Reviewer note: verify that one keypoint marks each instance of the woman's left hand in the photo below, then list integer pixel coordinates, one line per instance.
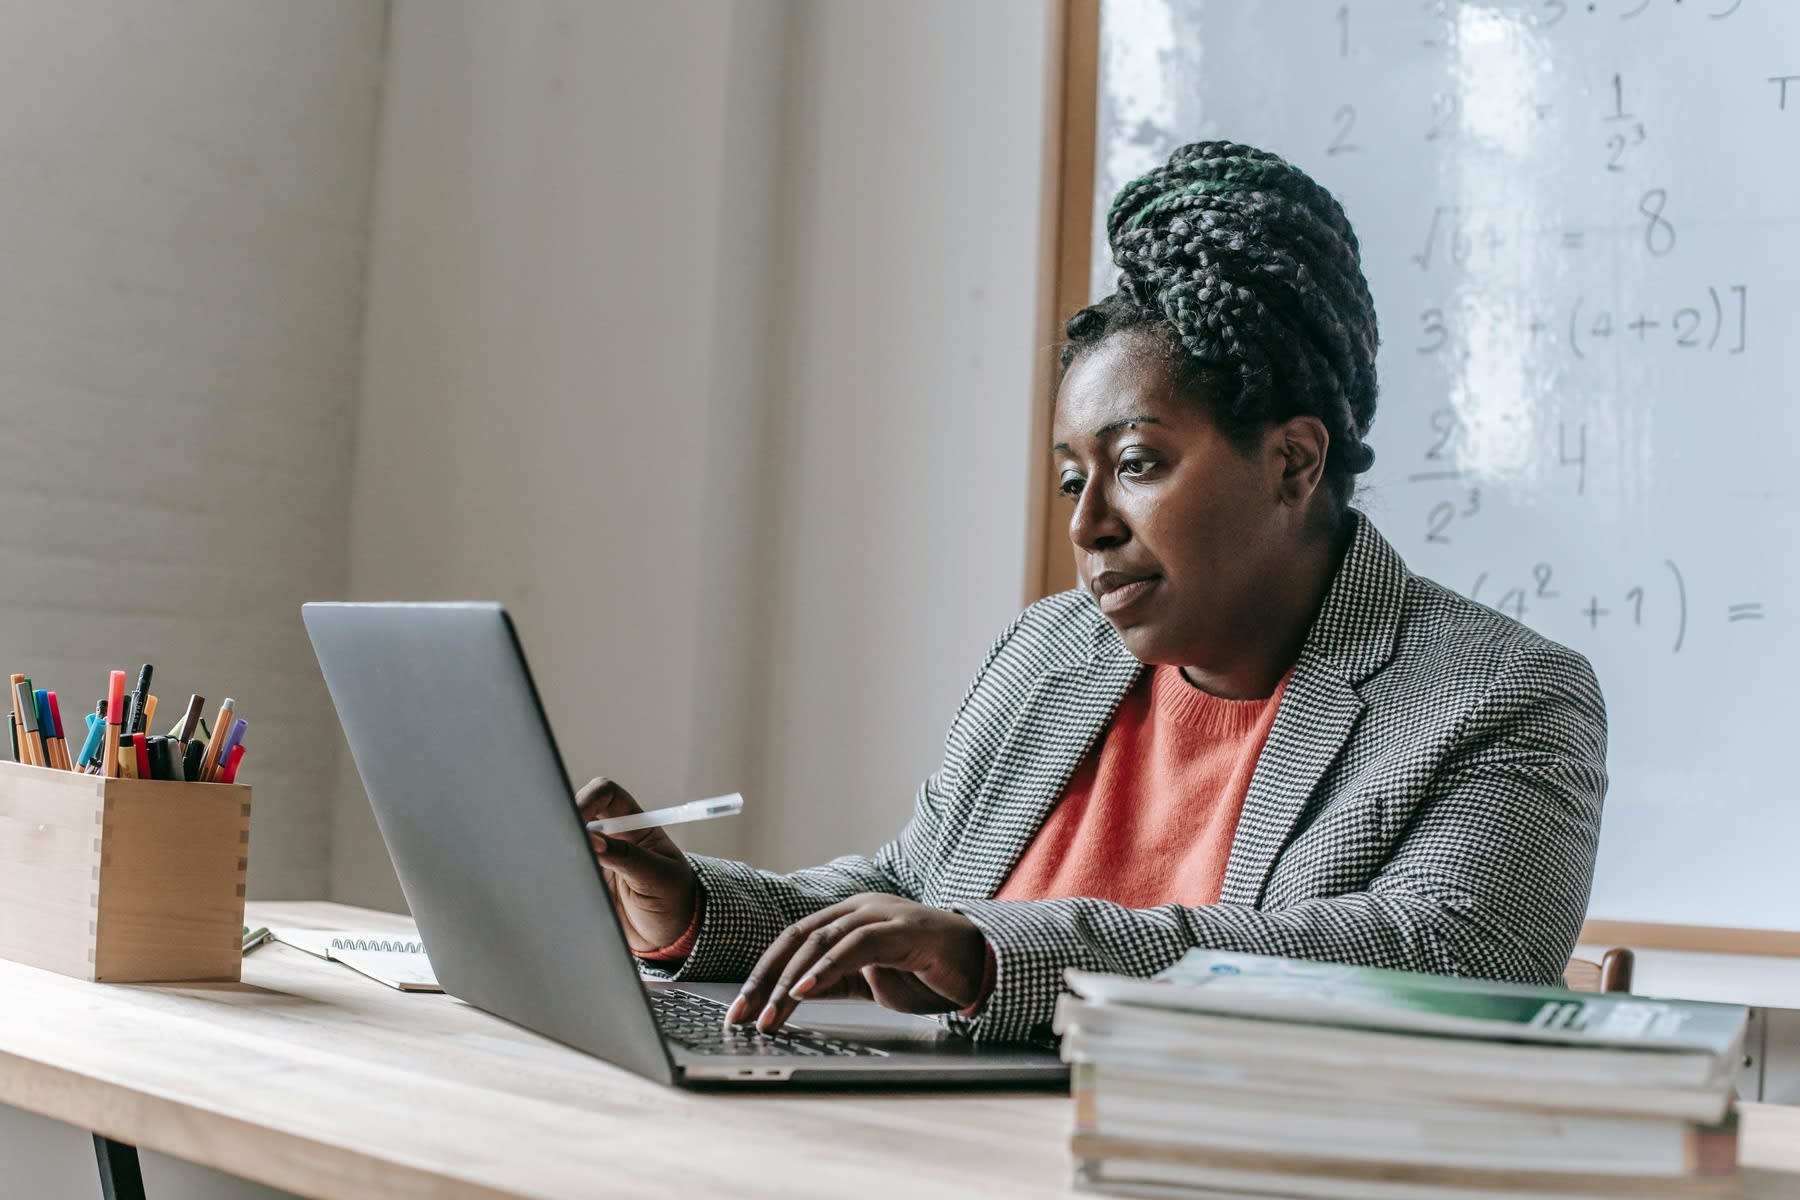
(907, 956)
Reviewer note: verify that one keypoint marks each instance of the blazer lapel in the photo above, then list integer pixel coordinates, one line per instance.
(1062, 716)
(1351, 639)
(1318, 711)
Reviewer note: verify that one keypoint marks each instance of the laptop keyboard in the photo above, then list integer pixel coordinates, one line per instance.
(698, 1024)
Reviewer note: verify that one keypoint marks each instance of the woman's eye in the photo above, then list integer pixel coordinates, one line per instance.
(1135, 466)
(1069, 485)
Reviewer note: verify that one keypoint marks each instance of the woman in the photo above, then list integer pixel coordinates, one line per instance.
(1250, 728)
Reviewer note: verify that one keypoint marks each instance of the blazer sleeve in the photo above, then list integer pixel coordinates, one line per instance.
(744, 909)
(1490, 879)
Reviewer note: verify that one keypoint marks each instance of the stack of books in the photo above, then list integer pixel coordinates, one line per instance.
(1240, 1075)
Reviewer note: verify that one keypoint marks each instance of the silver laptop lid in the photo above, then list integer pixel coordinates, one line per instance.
(456, 754)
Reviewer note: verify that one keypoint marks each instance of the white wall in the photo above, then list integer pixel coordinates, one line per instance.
(904, 406)
(184, 197)
(700, 334)
(565, 368)
(183, 227)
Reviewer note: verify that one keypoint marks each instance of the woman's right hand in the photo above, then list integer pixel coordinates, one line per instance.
(653, 885)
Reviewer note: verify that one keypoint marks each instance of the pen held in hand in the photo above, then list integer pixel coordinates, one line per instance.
(699, 810)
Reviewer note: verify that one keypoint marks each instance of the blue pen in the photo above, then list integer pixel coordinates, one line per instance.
(232, 738)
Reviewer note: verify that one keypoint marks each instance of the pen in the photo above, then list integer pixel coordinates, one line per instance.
(33, 739)
(209, 766)
(171, 760)
(229, 773)
(699, 810)
(229, 743)
(12, 724)
(134, 715)
(40, 700)
(91, 745)
(149, 713)
(115, 712)
(140, 753)
(20, 754)
(191, 758)
(190, 719)
(62, 744)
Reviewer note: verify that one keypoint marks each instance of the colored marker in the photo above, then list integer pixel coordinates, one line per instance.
(115, 713)
(90, 747)
(34, 739)
(162, 762)
(209, 766)
(12, 726)
(62, 743)
(40, 700)
(21, 748)
(229, 743)
(22, 704)
(134, 715)
(191, 759)
(190, 720)
(140, 748)
(229, 774)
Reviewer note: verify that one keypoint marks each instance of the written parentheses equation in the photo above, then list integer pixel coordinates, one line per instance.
(1725, 311)
(1659, 603)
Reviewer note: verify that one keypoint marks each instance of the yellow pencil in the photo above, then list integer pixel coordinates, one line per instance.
(149, 711)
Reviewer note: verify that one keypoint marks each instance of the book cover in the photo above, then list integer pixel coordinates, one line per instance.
(1259, 987)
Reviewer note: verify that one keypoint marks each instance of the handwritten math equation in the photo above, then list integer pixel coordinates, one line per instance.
(1620, 129)
(1561, 293)
(1717, 319)
(1657, 606)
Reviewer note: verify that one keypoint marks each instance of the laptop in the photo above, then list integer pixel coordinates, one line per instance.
(477, 812)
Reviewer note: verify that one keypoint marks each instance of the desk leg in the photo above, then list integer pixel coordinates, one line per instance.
(120, 1178)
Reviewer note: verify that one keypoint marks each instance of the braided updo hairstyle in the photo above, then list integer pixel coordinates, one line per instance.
(1248, 273)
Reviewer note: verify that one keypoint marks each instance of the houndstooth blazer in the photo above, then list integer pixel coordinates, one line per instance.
(1428, 799)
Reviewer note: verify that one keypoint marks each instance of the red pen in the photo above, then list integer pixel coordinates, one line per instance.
(141, 746)
(229, 774)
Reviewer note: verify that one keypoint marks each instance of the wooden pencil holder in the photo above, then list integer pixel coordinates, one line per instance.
(122, 880)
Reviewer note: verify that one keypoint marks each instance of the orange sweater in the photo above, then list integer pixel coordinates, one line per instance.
(1149, 816)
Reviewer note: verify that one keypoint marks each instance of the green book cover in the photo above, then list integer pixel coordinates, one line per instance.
(1286, 989)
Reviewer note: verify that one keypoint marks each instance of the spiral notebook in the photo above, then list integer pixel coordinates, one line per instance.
(397, 960)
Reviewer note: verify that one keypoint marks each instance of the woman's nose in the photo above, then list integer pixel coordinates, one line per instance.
(1095, 523)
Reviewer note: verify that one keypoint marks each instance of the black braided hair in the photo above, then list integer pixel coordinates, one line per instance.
(1250, 275)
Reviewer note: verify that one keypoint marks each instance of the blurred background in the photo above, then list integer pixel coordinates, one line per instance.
(700, 334)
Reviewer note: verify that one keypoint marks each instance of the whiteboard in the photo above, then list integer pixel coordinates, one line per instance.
(1581, 225)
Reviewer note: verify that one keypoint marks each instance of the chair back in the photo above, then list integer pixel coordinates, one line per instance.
(1611, 974)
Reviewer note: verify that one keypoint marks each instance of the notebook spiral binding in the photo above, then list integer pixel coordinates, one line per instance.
(394, 947)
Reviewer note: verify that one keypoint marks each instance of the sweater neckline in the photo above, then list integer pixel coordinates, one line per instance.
(1174, 698)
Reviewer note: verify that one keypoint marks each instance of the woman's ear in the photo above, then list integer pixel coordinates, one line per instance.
(1303, 442)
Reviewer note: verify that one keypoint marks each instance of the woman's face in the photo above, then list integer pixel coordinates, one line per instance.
(1178, 532)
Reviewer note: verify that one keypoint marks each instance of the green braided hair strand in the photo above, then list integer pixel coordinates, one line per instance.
(1249, 273)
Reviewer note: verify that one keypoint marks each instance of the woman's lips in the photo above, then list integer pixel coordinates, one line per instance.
(1118, 599)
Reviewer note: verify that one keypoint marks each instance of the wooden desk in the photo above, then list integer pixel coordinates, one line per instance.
(311, 1078)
